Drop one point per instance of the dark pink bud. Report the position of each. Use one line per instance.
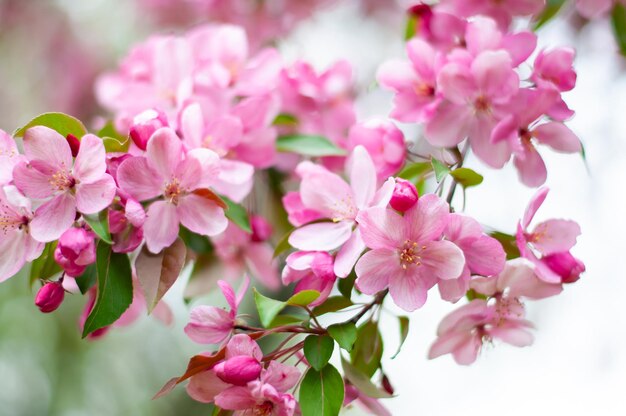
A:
(74, 144)
(50, 297)
(146, 123)
(404, 195)
(387, 385)
(238, 370)
(75, 251)
(261, 229)
(565, 265)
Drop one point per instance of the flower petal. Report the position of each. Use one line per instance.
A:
(375, 268)
(43, 143)
(204, 386)
(259, 258)
(555, 236)
(558, 136)
(407, 289)
(444, 259)
(535, 202)
(161, 226)
(53, 218)
(164, 152)
(209, 325)
(12, 253)
(201, 215)
(362, 176)
(90, 163)
(427, 219)
(349, 254)
(135, 176)
(32, 182)
(95, 196)
(321, 236)
(381, 228)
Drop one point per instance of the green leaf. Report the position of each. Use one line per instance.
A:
(318, 349)
(466, 177)
(64, 124)
(267, 308)
(158, 272)
(237, 214)
(283, 245)
(109, 131)
(368, 349)
(549, 12)
(115, 288)
(404, 332)
(346, 284)
(362, 382)
(44, 266)
(89, 278)
(345, 334)
(303, 298)
(509, 244)
(410, 27)
(321, 392)
(308, 145)
(618, 21)
(113, 145)
(415, 171)
(284, 119)
(99, 224)
(472, 294)
(332, 304)
(196, 242)
(441, 170)
(282, 320)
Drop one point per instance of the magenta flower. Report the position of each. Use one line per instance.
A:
(66, 186)
(503, 11)
(313, 270)
(407, 254)
(213, 325)
(404, 196)
(555, 69)
(329, 195)
(552, 239)
(75, 251)
(50, 297)
(16, 244)
(180, 180)
(9, 157)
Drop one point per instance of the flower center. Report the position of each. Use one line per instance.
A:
(62, 180)
(344, 209)
(172, 191)
(410, 254)
(482, 104)
(264, 408)
(423, 89)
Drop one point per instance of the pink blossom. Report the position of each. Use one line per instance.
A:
(383, 141)
(16, 244)
(261, 229)
(298, 214)
(212, 325)
(75, 251)
(126, 226)
(554, 68)
(312, 270)
(240, 254)
(503, 11)
(257, 398)
(328, 194)
(50, 297)
(66, 186)
(182, 181)
(372, 406)
(484, 255)
(548, 245)
(144, 125)
(593, 9)
(9, 157)
(404, 195)
(407, 254)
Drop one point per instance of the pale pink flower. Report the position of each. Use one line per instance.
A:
(181, 180)
(75, 251)
(522, 129)
(383, 141)
(407, 254)
(257, 398)
(9, 157)
(16, 244)
(502, 11)
(213, 325)
(593, 9)
(67, 186)
(484, 255)
(547, 246)
(327, 193)
(312, 270)
(298, 213)
(372, 406)
(240, 254)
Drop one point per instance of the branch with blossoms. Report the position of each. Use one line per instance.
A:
(217, 149)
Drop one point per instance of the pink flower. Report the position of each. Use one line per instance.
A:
(313, 270)
(552, 239)
(503, 11)
(261, 229)
(144, 125)
(372, 406)
(593, 9)
(298, 214)
(521, 129)
(126, 226)
(258, 399)
(181, 180)
(328, 194)
(404, 196)
(16, 244)
(67, 186)
(407, 254)
(240, 254)
(75, 251)
(555, 69)
(9, 157)
(484, 255)
(383, 141)
(50, 297)
(413, 82)
(212, 325)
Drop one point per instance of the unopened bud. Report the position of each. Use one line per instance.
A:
(261, 229)
(565, 265)
(145, 124)
(50, 297)
(404, 195)
(74, 144)
(239, 370)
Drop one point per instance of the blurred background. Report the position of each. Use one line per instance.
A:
(50, 54)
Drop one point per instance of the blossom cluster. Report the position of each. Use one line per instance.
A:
(217, 148)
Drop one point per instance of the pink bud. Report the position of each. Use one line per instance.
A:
(146, 123)
(261, 229)
(238, 370)
(565, 265)
(75, 251)
(74, 144)
(404, 195)
(50, 297)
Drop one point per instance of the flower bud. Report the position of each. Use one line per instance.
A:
(74, 144)
(239, 370)
(75, 251)
(261, 229)
(144, 124)
(565, 265)
(50, 297)
(404, 195)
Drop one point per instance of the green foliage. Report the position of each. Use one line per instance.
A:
(321, 392)
(44, 267)
(368, 349)
(318, 349)
(466, 177)
(403, 321)
(285, 119)
(549, 12)
(509, 244)
(99, 224)
(283, 245)
(303, 298)
(64, 124)
(332, 304)
(237, 214)
(196, 242)
(308, 145)
(362, 382)
(89, 278)
(345, 334)
(441, 169)
(346, 285)
(618, 21)
(269, 308)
